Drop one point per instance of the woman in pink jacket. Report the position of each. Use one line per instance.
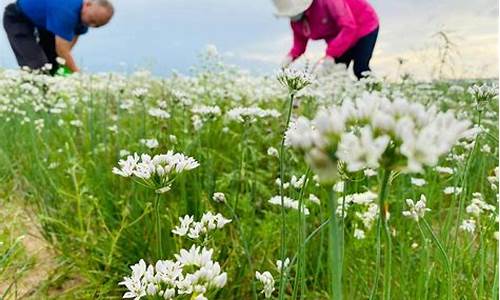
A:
(349, 27)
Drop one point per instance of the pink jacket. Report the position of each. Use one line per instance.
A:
(341, 23)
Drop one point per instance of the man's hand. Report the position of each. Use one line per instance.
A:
(63, 49)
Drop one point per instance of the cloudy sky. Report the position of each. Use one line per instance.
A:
(162, 35)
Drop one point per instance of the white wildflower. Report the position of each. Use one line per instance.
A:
(209, 221)
(294, 80)
(280, 265)
(452, 190)
(444, 170)
(416, 210)
(158, 113)
(314, 199)
(251, 114)
(363, 151)
(192, 273)
(219, 197)
(468, 225)
(76, 123)
(369, 172)
(156, 171)
(418, 181)
(150, 143)
(288, 203)
(271, 151)
(359, 234)
(268, 281)
(297, 182)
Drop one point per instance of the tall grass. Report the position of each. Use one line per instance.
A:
(99, 223)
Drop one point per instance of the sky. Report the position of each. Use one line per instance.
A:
(166, 35)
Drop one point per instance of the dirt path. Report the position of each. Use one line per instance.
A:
(35, 262)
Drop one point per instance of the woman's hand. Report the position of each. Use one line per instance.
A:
(323, 65)
(286, 62)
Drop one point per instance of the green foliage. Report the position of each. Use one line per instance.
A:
(100, 223)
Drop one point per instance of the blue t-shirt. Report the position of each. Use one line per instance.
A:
(61, 17)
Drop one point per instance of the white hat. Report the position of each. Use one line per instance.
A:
(290, 8)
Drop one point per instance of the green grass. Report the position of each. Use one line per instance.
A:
(100, 223)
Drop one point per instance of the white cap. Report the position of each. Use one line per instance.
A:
(290, 8)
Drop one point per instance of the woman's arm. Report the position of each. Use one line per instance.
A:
(299, 44)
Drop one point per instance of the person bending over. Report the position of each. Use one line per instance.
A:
(40, 31)
(349, 27)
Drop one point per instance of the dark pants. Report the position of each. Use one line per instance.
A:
(33, 47)
(360, 54)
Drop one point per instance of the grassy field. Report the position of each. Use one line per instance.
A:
(61, 141)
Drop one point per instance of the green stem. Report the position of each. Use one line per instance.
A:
(377, 262)
(158, 228)
(319, 263)
(422, 290)
(301, 245)
(283, 217)
(241, 173)
(446, 259)
(387, 254)
(334, 247)
(245, 247)
(494, 292)
(307, 240)
(382, 222)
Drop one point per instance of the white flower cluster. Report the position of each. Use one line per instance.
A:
(478, 206)
(314, 199)
(294, 80)
(205, 110)
(201, 113)
(250, 114)
(416, 210)
(295, 182)
(191, 273)
(192, 229)
(359, 234)
(140, 92)
(374, 130)
(483, 92)
(476, 209)
(493, 180)
(368, 213)
(219, 197)
(271, 151)
(280, 265)
(468, 225)
(418, 181)
(127, 104)
(288, 203)
(158, 113)
(364, 198)
(444, 170)
(267, 279)
(150, 143)
(156, 171)
(452, 190)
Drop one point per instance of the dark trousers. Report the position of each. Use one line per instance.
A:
(33, 47)
(360, 54)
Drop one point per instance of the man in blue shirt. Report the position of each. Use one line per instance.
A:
(39, 31)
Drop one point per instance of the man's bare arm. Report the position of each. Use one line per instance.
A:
(73, 42)
(63, 49)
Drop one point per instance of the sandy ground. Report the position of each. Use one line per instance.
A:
(38, 257)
